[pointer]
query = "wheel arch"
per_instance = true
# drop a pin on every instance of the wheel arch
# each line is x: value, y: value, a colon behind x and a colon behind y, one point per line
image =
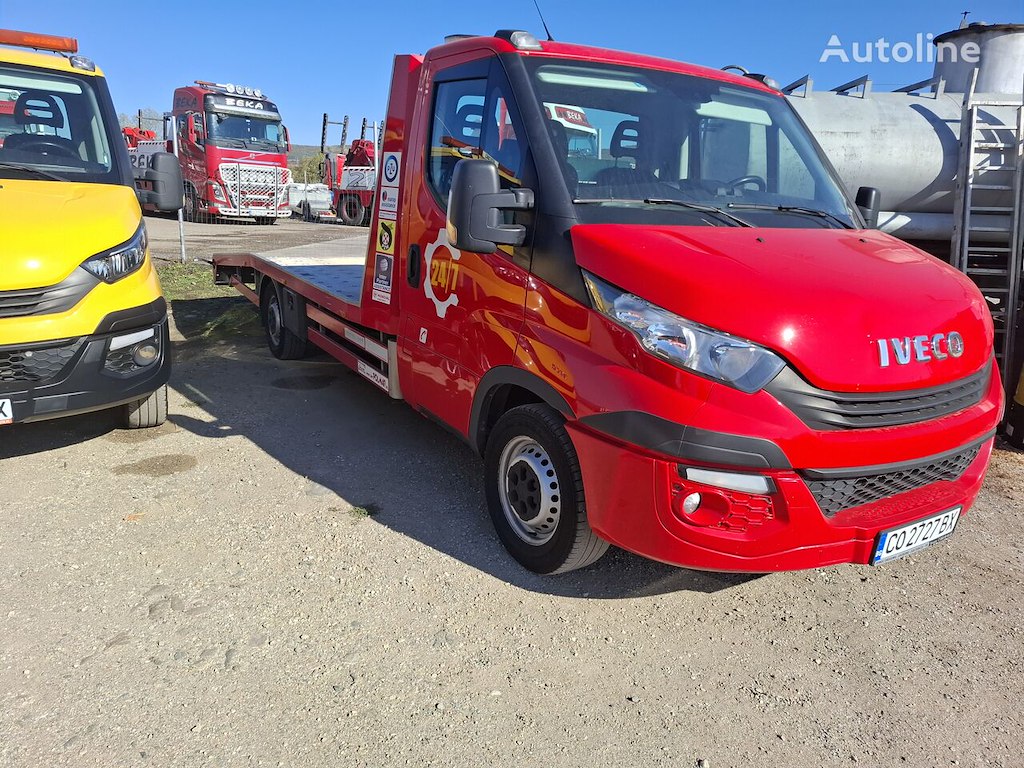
x: 506, y: 387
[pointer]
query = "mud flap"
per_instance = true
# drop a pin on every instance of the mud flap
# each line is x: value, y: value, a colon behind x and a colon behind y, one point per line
x: 293, y: 309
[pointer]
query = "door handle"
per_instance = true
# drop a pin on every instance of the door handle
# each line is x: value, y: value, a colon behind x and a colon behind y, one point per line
x: 412, y: 266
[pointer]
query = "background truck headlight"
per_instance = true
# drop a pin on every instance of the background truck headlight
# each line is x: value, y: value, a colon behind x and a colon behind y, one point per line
x: 110, y: 266
x: 684, y: 343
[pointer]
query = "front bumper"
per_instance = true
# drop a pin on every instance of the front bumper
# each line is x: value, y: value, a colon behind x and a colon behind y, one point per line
x: 69, y: 376
x: 634, y: 500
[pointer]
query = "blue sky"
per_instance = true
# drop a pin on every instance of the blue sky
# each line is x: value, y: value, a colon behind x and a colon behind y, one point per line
x: 309, y: 60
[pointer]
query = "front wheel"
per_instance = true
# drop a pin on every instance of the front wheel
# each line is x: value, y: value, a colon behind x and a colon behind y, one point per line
x: 147, y: 412
x: 535, y: 492
x: 351, y: 210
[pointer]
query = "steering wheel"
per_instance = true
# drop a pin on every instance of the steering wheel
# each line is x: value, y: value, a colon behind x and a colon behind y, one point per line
x: 757, y: 181
x: 46, y: 147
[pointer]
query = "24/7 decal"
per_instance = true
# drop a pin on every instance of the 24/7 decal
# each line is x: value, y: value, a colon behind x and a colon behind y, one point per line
x: 442, y: 260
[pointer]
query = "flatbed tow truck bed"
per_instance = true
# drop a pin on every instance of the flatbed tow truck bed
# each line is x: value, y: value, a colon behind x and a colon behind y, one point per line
x: 322, y: 289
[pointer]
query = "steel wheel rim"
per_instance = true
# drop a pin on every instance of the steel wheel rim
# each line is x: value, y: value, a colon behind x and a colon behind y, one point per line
x: 274, y: 320
x: 530, y: 491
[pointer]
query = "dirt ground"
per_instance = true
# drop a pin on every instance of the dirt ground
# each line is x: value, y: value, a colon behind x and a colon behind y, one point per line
x: 297, y: 571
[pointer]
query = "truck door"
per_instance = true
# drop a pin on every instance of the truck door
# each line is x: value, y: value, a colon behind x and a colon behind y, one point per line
x: 462, y: 312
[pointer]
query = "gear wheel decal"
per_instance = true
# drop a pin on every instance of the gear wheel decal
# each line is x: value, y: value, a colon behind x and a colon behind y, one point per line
x: 428, y: 288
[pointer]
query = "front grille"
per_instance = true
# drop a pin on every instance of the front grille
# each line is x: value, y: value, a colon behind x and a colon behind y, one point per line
x: 49, y: 300
x: 36, y: 363
x: 837, y: 494
x: 259, y: 186
x: 821, y: 409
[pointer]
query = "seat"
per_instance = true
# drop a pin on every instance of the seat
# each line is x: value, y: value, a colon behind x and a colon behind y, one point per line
x: 626, y: 142
x: 560, y: 141
x: 40, y: 110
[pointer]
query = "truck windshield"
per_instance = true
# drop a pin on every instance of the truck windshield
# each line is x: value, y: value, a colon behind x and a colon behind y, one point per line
x: 52, y: 127
x: 635, y: 139
x: 228, y: 130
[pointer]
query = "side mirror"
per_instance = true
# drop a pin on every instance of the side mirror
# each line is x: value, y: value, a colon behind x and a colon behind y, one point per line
x: 475, y: 205
x: 191, y: 129
x: 160, y: 185
x: 287, y: 141
x: 869, y: 202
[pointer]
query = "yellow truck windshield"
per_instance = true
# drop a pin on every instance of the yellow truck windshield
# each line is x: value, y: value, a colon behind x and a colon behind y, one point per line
x: 52, y: 126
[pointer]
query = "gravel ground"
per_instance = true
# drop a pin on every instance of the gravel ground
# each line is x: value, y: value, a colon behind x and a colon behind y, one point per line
x: 296, y: 571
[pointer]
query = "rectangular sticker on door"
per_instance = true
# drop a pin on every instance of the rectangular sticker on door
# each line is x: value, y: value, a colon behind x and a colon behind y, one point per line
x: 383, y: 269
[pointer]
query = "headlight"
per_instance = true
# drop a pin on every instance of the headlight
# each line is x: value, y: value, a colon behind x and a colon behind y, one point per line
x: 684, y: 343
x: 110, y: 266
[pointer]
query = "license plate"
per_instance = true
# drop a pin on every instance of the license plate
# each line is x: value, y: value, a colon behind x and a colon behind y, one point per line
x: 6, y: 412
x: 898, y: 542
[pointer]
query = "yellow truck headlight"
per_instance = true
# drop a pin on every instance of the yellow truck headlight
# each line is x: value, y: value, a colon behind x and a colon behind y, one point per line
x: 116, y: 263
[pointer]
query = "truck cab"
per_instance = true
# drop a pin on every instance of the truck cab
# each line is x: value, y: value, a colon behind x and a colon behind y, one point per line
x: 686, y: 344
x: 233, y: 151
x: 83, y: 324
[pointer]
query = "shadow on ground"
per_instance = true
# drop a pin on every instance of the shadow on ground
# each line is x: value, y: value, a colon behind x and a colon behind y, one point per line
x: 330, y: 426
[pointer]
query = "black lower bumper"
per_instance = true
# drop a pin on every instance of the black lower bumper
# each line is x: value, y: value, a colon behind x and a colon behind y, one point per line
x: 89, y: 373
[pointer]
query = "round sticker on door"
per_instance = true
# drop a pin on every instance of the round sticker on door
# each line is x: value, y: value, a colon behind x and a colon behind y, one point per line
x: 391, y: 168
x: 442, y: 261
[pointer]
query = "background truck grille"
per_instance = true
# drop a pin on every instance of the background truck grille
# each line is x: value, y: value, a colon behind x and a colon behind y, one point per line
x: 836, y: 495
x: 47, y: 301
x: 37, y: 362
x: 254, y: 186
x: 821, y: 409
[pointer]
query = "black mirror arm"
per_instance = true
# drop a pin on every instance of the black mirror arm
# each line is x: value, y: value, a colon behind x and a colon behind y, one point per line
x: 486, y: 210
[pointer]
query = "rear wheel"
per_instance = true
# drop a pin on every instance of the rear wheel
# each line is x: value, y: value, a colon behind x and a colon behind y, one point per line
x: 351, y: 210
x: 147, y: 412
x: 283, y: 344
x: 535, y: 492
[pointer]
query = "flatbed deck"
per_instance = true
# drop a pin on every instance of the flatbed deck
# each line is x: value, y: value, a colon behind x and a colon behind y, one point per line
x: 336, y: 267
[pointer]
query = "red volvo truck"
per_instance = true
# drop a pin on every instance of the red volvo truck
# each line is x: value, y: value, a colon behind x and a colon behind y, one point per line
x: 233, y: 152
x: 693, y: 348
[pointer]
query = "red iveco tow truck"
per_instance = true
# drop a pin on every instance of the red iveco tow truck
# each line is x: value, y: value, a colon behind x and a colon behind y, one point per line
x: 232, y: 147
x: 690, y: 347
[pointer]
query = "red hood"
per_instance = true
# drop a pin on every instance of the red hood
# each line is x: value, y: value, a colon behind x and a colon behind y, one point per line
x: 820, y: 298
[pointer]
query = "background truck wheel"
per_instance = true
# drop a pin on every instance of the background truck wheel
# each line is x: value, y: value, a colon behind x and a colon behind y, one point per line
x: 351, y: 210
x: 284, y: 345
x: 191, y: 212
x: 148, y: 412
x: 535, y: 492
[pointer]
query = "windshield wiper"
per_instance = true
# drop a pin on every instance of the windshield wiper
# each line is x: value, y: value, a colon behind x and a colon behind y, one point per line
x: 791, y: 209
x: 29, y: 169
x: 735, y: 221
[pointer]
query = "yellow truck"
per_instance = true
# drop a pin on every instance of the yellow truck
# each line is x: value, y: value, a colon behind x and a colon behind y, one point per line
x: 83, y: 324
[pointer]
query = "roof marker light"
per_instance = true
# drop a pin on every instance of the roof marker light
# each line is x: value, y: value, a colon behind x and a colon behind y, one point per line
x: 54, y: 43
x: 81, y: 62
x: 524, y: 41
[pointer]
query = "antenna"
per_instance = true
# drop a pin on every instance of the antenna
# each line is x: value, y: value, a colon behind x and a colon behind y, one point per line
x: 963, y: 19
x: 546, y: 30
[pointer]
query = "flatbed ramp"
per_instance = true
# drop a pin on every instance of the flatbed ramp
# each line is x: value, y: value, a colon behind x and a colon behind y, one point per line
x: 336, y: 266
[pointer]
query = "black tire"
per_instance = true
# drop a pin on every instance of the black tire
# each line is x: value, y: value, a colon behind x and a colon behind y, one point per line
x: 535, y: 492
x: 351, y: 210
x: 147, y: 412
x: 307, y: 212
x: 191, y: 211
x: 283, y: 344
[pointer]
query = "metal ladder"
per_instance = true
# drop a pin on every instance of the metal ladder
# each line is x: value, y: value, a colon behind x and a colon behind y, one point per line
x: 991, y: 163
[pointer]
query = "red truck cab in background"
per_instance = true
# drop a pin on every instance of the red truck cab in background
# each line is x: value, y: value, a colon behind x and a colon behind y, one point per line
x: 233, y: 152
x: 688, y: 345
